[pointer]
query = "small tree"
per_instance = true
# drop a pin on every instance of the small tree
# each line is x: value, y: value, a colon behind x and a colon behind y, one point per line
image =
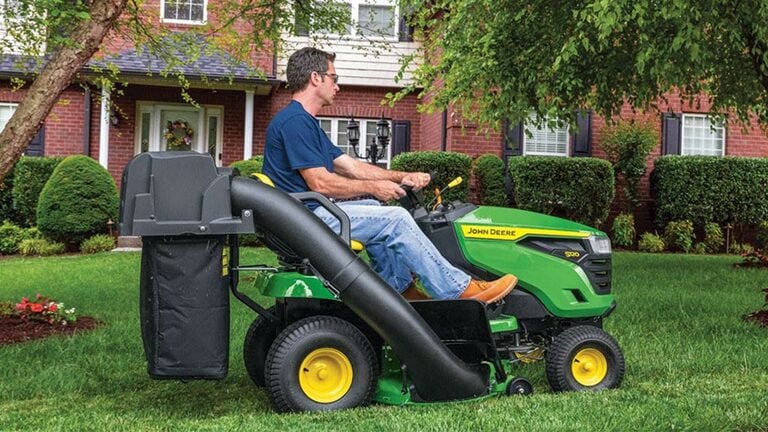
x: 628, y: 146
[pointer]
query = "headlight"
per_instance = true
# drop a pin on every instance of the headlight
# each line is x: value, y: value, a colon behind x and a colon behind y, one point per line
x: 600, y: 245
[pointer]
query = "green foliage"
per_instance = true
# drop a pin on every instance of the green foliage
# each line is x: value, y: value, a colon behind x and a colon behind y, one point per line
x: 31, y: 173
x: 250, y: 166
x: 554, y: 58
x: 651, y: 242
x: 710, y: 189
x: 488, y: 169
x: 579, y: 189
x: 700, y: 248
x: 40, y: 247
x: 10, y: 237
x: 737, y: 248
x: 713, y: 237
x: 445, y: 165
x: 97, y: 243
x: 679, y: 235
x: 77, y: 201
x: 624, y: 230
x: 761, y: 236
x: 628, y: 146
x: 7, y: 211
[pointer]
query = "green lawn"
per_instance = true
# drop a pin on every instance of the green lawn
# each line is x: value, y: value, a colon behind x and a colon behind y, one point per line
x: 692, y: 363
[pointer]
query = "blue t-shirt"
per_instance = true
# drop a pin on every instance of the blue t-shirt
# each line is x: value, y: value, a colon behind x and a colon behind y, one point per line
x: 295, y: 141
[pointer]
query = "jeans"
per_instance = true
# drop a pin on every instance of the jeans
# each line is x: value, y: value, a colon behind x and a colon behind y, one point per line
x: 397, y: 247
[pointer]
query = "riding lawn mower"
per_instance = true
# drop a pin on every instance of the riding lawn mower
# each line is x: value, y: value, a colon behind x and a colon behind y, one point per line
x: 337, y: 336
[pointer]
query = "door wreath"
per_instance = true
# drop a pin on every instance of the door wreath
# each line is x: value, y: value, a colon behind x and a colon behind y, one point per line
x: 178, y: 135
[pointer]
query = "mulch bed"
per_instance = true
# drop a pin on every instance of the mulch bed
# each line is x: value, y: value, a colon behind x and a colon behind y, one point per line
x: 759, y: 317
x: 15, y: 330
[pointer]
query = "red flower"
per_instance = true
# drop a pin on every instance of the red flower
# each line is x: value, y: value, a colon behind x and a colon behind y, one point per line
x: 21, y: 306
x: 36, y: 307
x: 52, y: 307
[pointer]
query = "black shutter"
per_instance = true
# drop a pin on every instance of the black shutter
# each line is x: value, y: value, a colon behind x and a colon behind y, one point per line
x: 582, y: 140
x: 37, y: 146
x: 512, y: 143
x: 401, y: 137
x: 670, y: 133
x: 405, y: 30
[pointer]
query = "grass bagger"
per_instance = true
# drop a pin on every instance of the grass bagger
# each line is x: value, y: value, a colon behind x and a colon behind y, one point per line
x: 337, y: 335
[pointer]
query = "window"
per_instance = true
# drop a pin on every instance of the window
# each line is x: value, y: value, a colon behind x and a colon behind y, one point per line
x: 702, y: 135
x: 370, y: 18
x: 184, y: 11
x: 6, y: 111
x: 543, y: 140
x: 336, y: 130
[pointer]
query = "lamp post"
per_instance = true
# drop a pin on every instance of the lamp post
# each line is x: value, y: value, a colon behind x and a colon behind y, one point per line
x: 377, y: 149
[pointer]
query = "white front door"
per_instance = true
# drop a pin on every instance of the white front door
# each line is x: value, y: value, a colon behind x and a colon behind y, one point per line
x: 165, y: 127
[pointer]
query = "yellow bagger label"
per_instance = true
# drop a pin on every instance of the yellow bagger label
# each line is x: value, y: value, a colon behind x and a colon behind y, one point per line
x: 495, y: 232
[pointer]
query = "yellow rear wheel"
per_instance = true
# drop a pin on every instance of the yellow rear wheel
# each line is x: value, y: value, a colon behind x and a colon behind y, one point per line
x: 589, y: 367
x: 325, y: 375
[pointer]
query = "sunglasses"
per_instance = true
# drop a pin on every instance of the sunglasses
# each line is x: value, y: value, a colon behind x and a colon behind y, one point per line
x: 334, y: 77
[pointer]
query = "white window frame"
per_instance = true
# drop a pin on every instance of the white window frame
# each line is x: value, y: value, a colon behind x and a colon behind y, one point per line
x: 530, y: 127
x: 355, y: 11
x: 710, y: 125
x: 12, y: 106
x: 361, y: 148
x: 180, y: 21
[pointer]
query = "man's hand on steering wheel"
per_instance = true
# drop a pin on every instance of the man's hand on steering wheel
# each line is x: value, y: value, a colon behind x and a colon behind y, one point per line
x: 416, y: 180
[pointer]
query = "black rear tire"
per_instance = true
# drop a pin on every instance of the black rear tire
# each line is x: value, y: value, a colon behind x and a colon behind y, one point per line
x: 259, y: 338
x: 302, y: 349
x: 584, y: 358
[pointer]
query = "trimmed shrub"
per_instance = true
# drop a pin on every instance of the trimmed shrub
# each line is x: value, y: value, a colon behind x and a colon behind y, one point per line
x: 713, y: 237
x: 77, y: 201
x: 97, y: 243
x: 650, y: 242
x: 700, y: 248
x: 741, y: 248
x: 250, y: 166
x: 445, y: 165
x: 624, y: 230
x: 628, y: 146
x: 579, y: 189
x: 40, y: 247
x: 31, y: 173
x: 488, y: 169
x: 705, y: 189
x: 7, y: 211
x: 761, y: 236
x: 10, y: 237
x: 678, y: 235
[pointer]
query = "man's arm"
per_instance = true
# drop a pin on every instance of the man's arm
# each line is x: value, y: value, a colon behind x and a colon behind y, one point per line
x: 356, y: 178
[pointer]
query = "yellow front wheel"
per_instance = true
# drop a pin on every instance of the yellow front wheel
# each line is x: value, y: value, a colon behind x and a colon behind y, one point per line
x: 325, y: 375
x: 584, y: 358
x: 320, y: 363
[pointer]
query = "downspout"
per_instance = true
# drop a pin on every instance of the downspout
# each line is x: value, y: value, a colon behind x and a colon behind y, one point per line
x: 444, y: 131
x: 87, y: 121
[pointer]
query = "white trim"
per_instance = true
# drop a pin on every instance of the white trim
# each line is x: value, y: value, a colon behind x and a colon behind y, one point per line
x: 155, y: 109
x: 180, y: 21
x: 104, y: 128
x: 248, y: 131
x: 354, y: 14
x: 218, y: 113
x: 709, y: 138
x: 533, y: 128
x: 363, y: 122
x: 12, y: 107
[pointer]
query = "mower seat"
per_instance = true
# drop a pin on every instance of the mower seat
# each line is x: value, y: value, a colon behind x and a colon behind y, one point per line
x: 353, y: 244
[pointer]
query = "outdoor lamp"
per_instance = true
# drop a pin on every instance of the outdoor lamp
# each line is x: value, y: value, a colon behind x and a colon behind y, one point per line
x: 382, y: 130
x: 353, y: 133
x: 377, y: 148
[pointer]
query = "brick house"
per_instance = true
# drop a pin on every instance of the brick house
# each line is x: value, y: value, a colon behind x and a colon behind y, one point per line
x: 230, y: 123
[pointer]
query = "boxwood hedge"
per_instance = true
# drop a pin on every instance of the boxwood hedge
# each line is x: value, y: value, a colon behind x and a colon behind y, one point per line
x: 489, y: 172
x: 710, y: 189
x: 445, y: 165
x: 31, y: 173
x: 579, y: 189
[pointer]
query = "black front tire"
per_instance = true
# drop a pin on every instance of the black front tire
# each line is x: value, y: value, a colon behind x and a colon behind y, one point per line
x: 259, y: 338
x: 584, y: 358
x: 312, y: 342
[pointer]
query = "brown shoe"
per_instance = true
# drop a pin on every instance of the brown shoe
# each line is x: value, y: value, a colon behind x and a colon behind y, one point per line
x: 489, y: 292
x: 413, y: 293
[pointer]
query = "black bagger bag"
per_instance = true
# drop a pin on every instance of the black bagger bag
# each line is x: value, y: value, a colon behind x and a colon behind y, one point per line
x: 184, y: 306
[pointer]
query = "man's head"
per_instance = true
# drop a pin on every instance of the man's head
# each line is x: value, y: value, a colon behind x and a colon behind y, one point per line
x: 306, y: 61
